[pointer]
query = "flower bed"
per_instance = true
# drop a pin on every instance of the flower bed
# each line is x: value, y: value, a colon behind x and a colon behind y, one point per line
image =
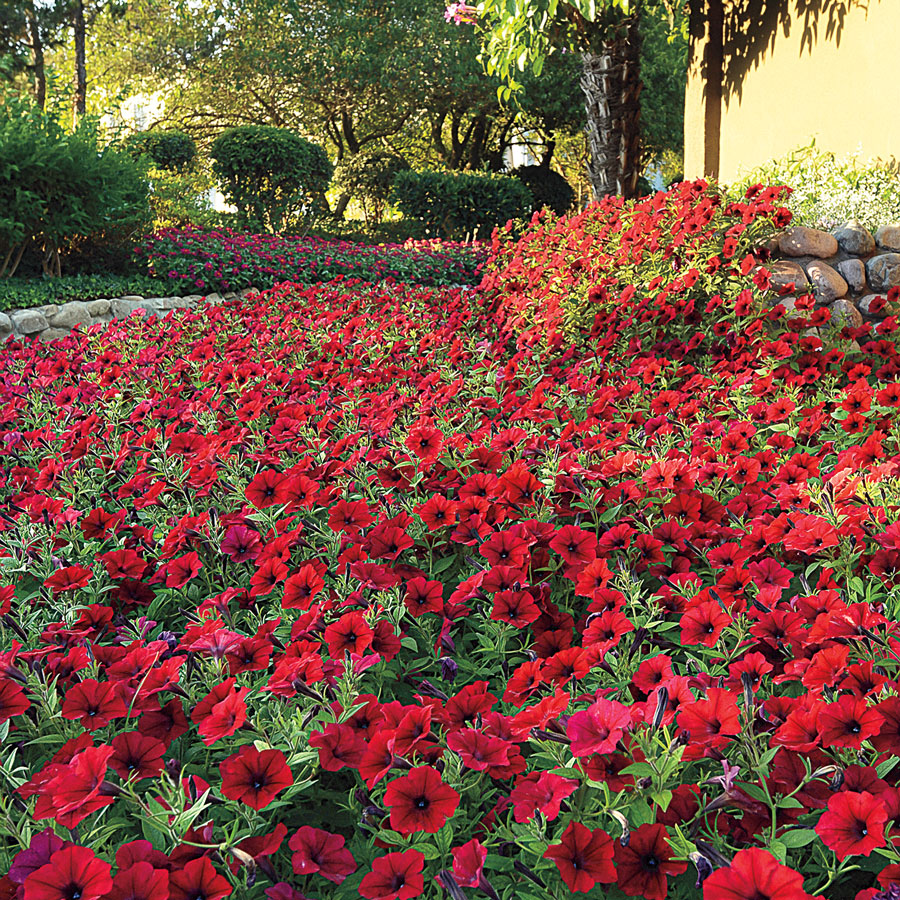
x: 229, y: 261
x: 339, y: 592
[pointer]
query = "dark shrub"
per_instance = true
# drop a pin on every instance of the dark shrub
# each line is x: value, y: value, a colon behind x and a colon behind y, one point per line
x: 455, y: 205
x: 369, y: 177
x: 548, y: 188
x: 172, y: 151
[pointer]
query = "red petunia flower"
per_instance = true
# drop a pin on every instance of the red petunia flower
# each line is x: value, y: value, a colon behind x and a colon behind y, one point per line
x: 198, y: 880
x: 397, y: 876
x: 468, y: 863
x: 318, y: 851
x: 73, y: 872
x: 140, y: 882
x: 339, y: 745
x: 711, y: 721
x: 754, y: 874
x: 68, y: 579
x: 221, y: 712
x: 575, y: 545
x: 598, y: 728
x: 137, y: 755
x: 584, y: 857
x: 93, y: 704
x: 853, y: 824
x: 254, y: 776
x: 13, y: 701
x: 542, y: 793
x: 848, y: 722
x: 420, y: 801
x: 301, y: 588
x: 479, y: 751
x: 263, y: 490
x: 643, y: 866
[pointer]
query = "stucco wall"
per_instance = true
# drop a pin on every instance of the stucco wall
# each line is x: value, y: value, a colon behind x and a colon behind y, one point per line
x: 787, y: 77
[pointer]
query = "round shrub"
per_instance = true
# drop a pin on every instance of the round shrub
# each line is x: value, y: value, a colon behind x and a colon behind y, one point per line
x: 273, y: 176
x: 548, y: 188
x: 172, y: 151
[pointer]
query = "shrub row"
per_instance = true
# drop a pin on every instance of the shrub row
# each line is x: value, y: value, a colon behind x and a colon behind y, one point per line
x: 19, y: 293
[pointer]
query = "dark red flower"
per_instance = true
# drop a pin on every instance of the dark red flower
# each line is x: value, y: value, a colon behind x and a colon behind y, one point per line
x: 318, y: 851
x: 584, y: 857
x: 397, y: 876
x: 73, y: 873
x: 542, y: 793
x: 754, y: 874
x: 137, y: 755
x: 140, y: 882
x: 420, y: 801
x: 221, y: 712
x: 853, y: 824
x: 254, y: 776
x: 468, y: 863
x: 198, y: 880
x: 643, y: 865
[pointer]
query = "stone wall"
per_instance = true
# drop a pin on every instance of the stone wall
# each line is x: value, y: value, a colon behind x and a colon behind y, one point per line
x: 57, y: 320
x: 846, y: 269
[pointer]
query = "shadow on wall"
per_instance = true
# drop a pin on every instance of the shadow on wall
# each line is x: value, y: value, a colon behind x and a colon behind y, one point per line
x: 739, y: 33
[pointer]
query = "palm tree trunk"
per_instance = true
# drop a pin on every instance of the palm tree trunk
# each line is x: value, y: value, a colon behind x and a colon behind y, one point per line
x: 603, y: 140
x: 611, y: 82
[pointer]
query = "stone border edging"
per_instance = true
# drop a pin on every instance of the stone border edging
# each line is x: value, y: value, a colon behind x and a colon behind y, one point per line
x: 53, y: 321
x: 845, y: 269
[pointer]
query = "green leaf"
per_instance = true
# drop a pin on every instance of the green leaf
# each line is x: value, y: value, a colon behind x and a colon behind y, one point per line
x: 778, y: 850
x: 798, y: 837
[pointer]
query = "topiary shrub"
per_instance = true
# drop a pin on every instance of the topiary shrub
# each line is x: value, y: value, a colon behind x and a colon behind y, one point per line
x: 456, y: 205
x: 369, y: 177
x: 171, y: 151
x: 548, y: 188
x: 273, y: 176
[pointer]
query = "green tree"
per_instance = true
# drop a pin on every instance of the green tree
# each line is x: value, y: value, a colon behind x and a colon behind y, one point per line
x: 29, y: 29
x: 608, y: 36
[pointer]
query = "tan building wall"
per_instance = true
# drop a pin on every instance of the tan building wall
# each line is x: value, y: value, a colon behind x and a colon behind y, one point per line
x: 765, y: 80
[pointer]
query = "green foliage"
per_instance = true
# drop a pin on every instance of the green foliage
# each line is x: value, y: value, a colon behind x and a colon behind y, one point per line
x: 828, y: 191
x: 460, y: 204
x: 171, y: 151
x: 368, y: 177
x: 548, y: 188
x: 664, y: 55
x: 58, y: 188
x: 273, y: 176
x: 519, y: 33
x: 21, y: 293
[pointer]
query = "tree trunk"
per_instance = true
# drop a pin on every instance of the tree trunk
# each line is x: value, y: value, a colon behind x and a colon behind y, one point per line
x: 604, y: 140
x: 79, y: 99
x: 611, y: 81
x: 37, y: 55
